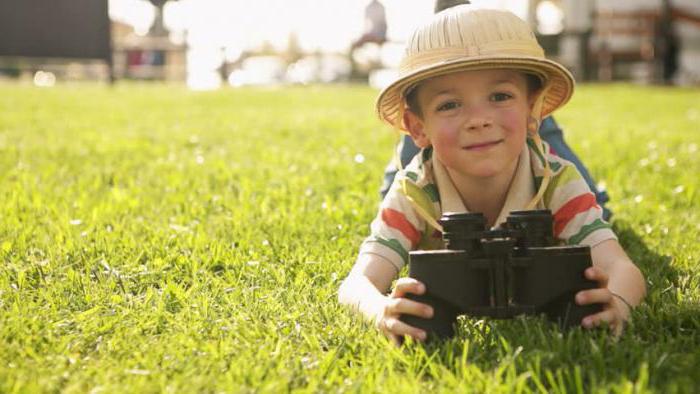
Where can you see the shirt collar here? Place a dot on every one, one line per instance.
(520, 192)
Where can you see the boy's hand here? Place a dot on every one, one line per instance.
(388, 320)
(615, 313)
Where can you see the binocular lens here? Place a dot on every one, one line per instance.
(535, 228)
(463, 222)
(462, 231)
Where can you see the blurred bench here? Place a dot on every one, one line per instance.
(626, 37)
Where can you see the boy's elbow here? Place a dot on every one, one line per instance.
(341, 292)
(633, 271)
(635, 279)
(344, 293)
(642, 281)
(351, 291)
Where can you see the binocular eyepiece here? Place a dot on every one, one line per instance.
(466, 231)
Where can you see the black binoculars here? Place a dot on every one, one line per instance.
(514, 270)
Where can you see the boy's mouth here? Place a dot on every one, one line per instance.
(482, 145)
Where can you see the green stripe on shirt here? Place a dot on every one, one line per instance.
(533, 149)
(586, 231)
(554, 166)
(431, 190)
(566, 175)
(394, 245)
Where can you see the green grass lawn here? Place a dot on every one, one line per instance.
(156, 239)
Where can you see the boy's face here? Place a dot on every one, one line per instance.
(475, 120)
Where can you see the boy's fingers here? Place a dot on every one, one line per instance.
(592, 321)
(407, 285)
(395, 339)
(596, 274)
(397, 327)
(593, 296)
(404, 306)
(617, 330)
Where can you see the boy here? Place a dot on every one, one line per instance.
(549, 131)
(472, 89)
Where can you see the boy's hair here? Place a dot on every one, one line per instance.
(534, 84)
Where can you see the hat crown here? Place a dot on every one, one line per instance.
(466, 32)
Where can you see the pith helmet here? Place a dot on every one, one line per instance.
(462, 38)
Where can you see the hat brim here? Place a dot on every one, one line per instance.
(559, 82)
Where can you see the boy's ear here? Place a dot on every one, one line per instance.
(415, 126)
(533, 96)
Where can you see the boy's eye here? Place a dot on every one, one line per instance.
(501, 97)
(449, 105)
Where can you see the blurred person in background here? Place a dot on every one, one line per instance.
(375, 26)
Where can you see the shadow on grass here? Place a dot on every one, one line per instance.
(660, 349)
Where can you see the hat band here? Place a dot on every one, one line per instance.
(429, 57)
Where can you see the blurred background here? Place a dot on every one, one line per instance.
(211, 44)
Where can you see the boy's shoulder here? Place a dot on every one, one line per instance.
(557, 164)
(577, 216)
(566, 181)
(420, 170)
(417, 182)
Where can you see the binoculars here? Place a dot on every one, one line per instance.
(514, 270)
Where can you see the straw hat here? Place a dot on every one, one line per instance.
(461, 38)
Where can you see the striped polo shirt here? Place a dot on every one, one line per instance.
(398, 228)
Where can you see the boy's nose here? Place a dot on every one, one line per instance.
(476, 123)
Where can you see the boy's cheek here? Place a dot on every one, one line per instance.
(444, 147)
(516, 119)
(445, 137)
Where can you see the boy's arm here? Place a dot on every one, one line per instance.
(367, 283)
(624, 278)
(365, 287)
(621, 285)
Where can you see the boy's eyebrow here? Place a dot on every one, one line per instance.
(436, 92)
(505, 80)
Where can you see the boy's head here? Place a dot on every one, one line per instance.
(475, 120)
(462, 39)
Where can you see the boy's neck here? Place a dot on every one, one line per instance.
(485, 195)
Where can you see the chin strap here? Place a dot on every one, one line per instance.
(414, 194)
(421, 203)
(533, 127)
(399, 128)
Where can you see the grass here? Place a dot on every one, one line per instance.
(154, 239)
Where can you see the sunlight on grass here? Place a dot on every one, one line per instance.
(156, 239)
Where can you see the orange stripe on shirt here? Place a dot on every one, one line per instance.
(397, 220)
(572, 208)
